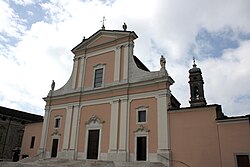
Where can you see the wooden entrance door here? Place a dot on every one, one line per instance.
(54, 148)
(93, 144)
(141, 150)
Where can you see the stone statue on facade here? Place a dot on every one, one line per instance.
(163, 62)
(163, 71)
(53, 85)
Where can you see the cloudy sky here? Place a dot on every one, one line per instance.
(36, 37)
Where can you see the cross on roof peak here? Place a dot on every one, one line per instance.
(103, 21)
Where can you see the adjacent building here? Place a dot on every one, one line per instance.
(114, 108)
(12, 123)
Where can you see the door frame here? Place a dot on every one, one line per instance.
(94, 123)
(51, 148)
(141, 131)
(99, 143)
(141, 135)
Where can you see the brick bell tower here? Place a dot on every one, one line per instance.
(196, 87)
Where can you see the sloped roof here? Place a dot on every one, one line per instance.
(20, 115)
(115, 33)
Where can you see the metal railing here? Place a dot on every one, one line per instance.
(172, 160)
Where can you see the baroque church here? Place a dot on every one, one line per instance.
(114, 108)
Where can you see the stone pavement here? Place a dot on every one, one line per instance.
(53, 162)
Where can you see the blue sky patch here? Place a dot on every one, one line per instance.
(213, 43)
(242, 99)
(30, 13)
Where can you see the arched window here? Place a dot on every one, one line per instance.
(196, 92)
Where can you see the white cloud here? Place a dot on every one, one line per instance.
(30, 13)
(11, 25)
(164, 27)
(228, 79)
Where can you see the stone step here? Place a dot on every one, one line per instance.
(53, 162)
(139, 164)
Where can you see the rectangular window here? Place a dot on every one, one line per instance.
(32, 143)
(57, 122)
(142, 116)
(98, 77)
(243, 160)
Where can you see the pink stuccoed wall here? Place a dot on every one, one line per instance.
(198, 139)
(34, 129)
(234, 139)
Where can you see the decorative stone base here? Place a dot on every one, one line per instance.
(68, 154)
(164, 156)
(117, 157)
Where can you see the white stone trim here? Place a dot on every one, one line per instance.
(109, 100)
(125, 61)
(240, 153)
(163, 101)
(80, 75)
(55, 135)
(123, 126)
(75, 68)
(114, 126)
(63, 106)
(96, 67)
(162, 119)
(93, 120)
(60, 121)
(141, 132)
(66, 136)
(117, 64)
(141, 108)
(44, 132)
(128, 131)
(74, 128)
(94, 123)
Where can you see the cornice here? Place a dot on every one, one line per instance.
(108, 89)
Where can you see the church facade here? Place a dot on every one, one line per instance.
(114, 108)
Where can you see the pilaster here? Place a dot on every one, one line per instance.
(44, 134)
(74, 130)
(117, 63)
(163, 100)
(123, 130)
(66, 137)
(81, 72)
(125, 61)
(113, 130)
(75, 67)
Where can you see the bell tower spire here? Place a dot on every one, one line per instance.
(196, 87)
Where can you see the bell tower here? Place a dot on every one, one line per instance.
(196, 87)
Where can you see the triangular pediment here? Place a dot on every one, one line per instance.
(101, 40)
(102, 37)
